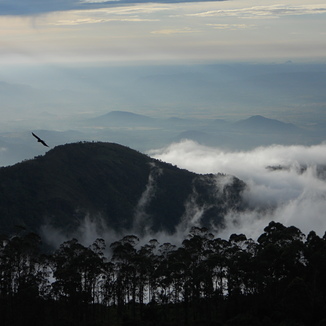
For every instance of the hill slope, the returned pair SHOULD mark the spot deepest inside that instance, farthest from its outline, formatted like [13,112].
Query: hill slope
[126,189]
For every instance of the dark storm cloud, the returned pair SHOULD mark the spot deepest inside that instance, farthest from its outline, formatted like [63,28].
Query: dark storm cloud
[31,7]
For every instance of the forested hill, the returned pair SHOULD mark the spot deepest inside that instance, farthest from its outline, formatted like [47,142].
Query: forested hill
[125,188]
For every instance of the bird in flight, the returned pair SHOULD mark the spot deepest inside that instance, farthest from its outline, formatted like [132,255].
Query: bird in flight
[40,140]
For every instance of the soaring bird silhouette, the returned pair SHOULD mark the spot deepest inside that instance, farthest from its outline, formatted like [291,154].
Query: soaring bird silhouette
[40,140]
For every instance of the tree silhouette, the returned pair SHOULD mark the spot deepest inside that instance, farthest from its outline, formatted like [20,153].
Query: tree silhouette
[277,280]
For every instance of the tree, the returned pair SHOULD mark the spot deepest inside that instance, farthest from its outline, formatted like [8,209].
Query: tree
[280,260]
[77,270]
[23,278]
[124,256]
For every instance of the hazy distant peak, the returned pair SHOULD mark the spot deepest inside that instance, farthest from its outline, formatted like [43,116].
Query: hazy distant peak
[125,114]
[262,124]
[259,117]
[122,118]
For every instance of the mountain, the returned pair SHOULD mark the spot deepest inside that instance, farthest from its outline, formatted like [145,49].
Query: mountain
[260,124]
[114,185]
[122,118]
[145,133]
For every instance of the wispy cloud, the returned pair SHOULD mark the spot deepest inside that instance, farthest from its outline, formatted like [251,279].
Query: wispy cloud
[83,21]
[32,7]
[232,27]
[272,11]
[142,221]
[171,31]
[140,13]
[96,30]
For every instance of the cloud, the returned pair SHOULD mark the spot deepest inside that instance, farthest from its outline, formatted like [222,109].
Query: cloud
[139,13]
[32,7]
[173,31]
[89,229]
[142,218]
[111,31]
[263,12]
[285,183]
[232,27]
[83,21]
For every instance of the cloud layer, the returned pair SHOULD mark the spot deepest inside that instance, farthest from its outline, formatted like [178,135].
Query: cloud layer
[266,11]
[119,31]
[285,183]
[30,7]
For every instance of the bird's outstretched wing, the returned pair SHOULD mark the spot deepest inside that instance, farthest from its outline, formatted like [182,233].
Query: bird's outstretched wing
[40,140]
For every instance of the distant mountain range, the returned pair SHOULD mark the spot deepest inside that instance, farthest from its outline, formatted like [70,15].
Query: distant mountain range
[145,133]
[252,124]
[120,187]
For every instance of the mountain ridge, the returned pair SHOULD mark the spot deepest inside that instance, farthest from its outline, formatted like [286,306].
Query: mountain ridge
[126,189]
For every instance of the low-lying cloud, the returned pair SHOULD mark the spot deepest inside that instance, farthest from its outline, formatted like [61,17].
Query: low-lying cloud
[142,223]
[285,183]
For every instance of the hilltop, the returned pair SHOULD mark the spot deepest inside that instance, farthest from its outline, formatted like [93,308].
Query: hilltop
[124,188]
[260,124]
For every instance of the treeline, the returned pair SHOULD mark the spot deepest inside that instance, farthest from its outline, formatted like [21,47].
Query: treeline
[280,279]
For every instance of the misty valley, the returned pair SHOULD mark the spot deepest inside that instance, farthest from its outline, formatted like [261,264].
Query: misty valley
[96,233]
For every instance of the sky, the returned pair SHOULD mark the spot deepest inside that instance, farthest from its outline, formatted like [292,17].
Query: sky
[107,32]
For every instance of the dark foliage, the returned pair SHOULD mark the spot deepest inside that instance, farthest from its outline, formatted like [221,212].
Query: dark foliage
[106,180]
[277,280]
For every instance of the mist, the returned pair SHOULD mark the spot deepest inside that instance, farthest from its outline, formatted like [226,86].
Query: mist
[284,183]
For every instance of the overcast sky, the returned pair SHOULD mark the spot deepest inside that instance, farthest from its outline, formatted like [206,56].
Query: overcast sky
[91,31]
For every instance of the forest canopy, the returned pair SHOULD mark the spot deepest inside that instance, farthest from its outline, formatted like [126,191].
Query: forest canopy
[277,280]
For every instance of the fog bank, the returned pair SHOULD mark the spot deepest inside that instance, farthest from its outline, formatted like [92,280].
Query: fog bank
[285,183]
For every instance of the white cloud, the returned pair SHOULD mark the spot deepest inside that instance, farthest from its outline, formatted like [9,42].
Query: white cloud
[294,195]
[142,222]
[82,21]
[232,27]
[270,11]
[96,31]
[173,31]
